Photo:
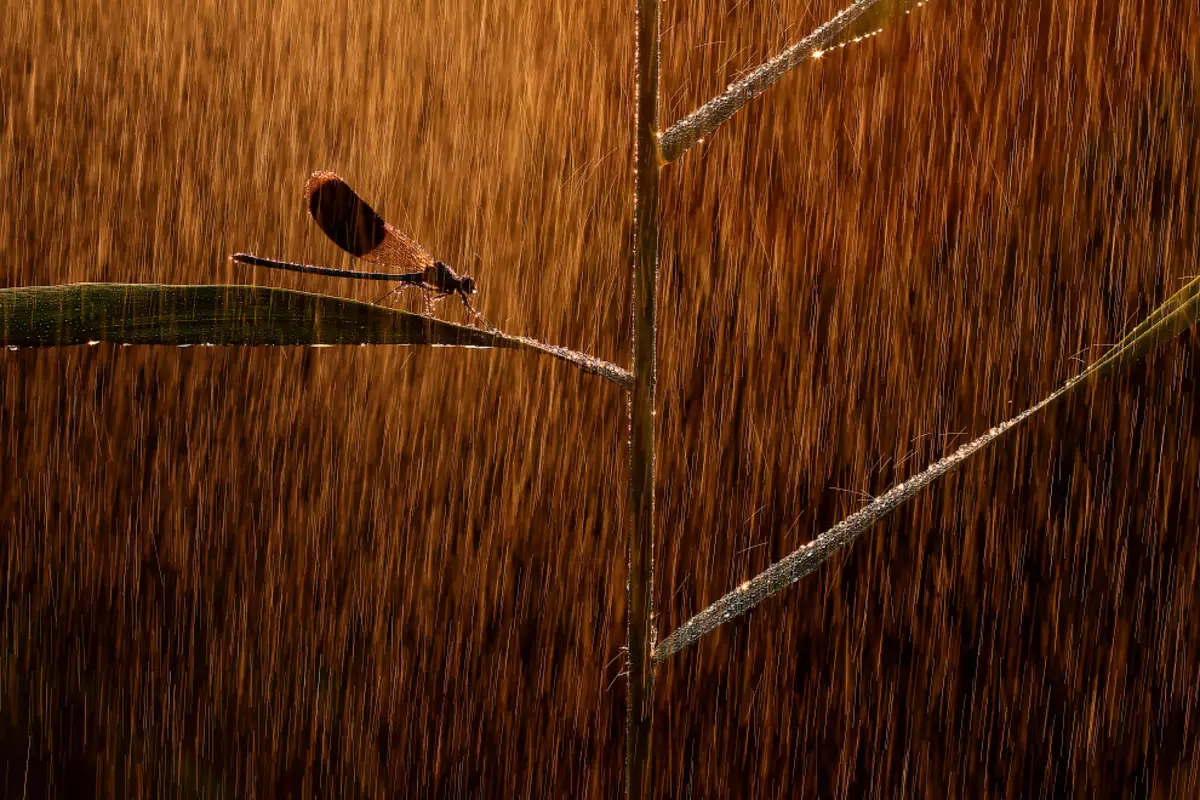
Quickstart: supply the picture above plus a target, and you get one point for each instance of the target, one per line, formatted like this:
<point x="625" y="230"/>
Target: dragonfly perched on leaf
<point x="356" y="228"/>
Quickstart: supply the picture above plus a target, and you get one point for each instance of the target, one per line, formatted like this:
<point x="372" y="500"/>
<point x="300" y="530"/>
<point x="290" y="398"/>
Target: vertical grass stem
<point x="647" y="163"/>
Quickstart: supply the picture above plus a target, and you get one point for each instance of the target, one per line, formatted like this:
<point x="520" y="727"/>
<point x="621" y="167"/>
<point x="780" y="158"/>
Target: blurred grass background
<point x="356" y="572"/>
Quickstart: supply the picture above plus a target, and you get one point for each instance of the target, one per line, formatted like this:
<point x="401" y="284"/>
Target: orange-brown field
<point x="354" y="572"/>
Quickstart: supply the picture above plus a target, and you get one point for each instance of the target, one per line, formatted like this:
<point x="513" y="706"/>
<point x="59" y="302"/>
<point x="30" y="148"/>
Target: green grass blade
<point x="1179" y="312"/>
<point x="153" y="314"/>
<point x="53" y="316"/>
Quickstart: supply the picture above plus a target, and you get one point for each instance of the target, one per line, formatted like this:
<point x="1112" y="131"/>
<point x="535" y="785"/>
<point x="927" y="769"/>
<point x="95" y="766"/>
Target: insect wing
<point x="356" y="227"/>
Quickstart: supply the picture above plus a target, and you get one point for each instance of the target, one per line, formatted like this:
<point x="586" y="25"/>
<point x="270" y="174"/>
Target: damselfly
<point x="356" y="228"/>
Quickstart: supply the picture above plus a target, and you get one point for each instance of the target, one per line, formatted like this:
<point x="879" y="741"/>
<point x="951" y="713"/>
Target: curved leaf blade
<point x="140" y="313"/>
<point x="157" y="314"/>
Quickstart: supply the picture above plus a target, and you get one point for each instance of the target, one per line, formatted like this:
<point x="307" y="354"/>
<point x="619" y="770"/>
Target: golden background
<point x="344" y="572"/>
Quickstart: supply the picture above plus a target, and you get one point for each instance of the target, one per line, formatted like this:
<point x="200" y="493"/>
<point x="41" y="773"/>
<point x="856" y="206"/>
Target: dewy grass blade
<point x="1174" y="316"/>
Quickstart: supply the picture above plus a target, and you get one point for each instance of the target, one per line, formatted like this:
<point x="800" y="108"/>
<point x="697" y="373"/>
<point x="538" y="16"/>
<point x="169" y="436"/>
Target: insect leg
<point x="432" y="298"/>
<point x="394" y="291"/>
<point x="475" y="314"/>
